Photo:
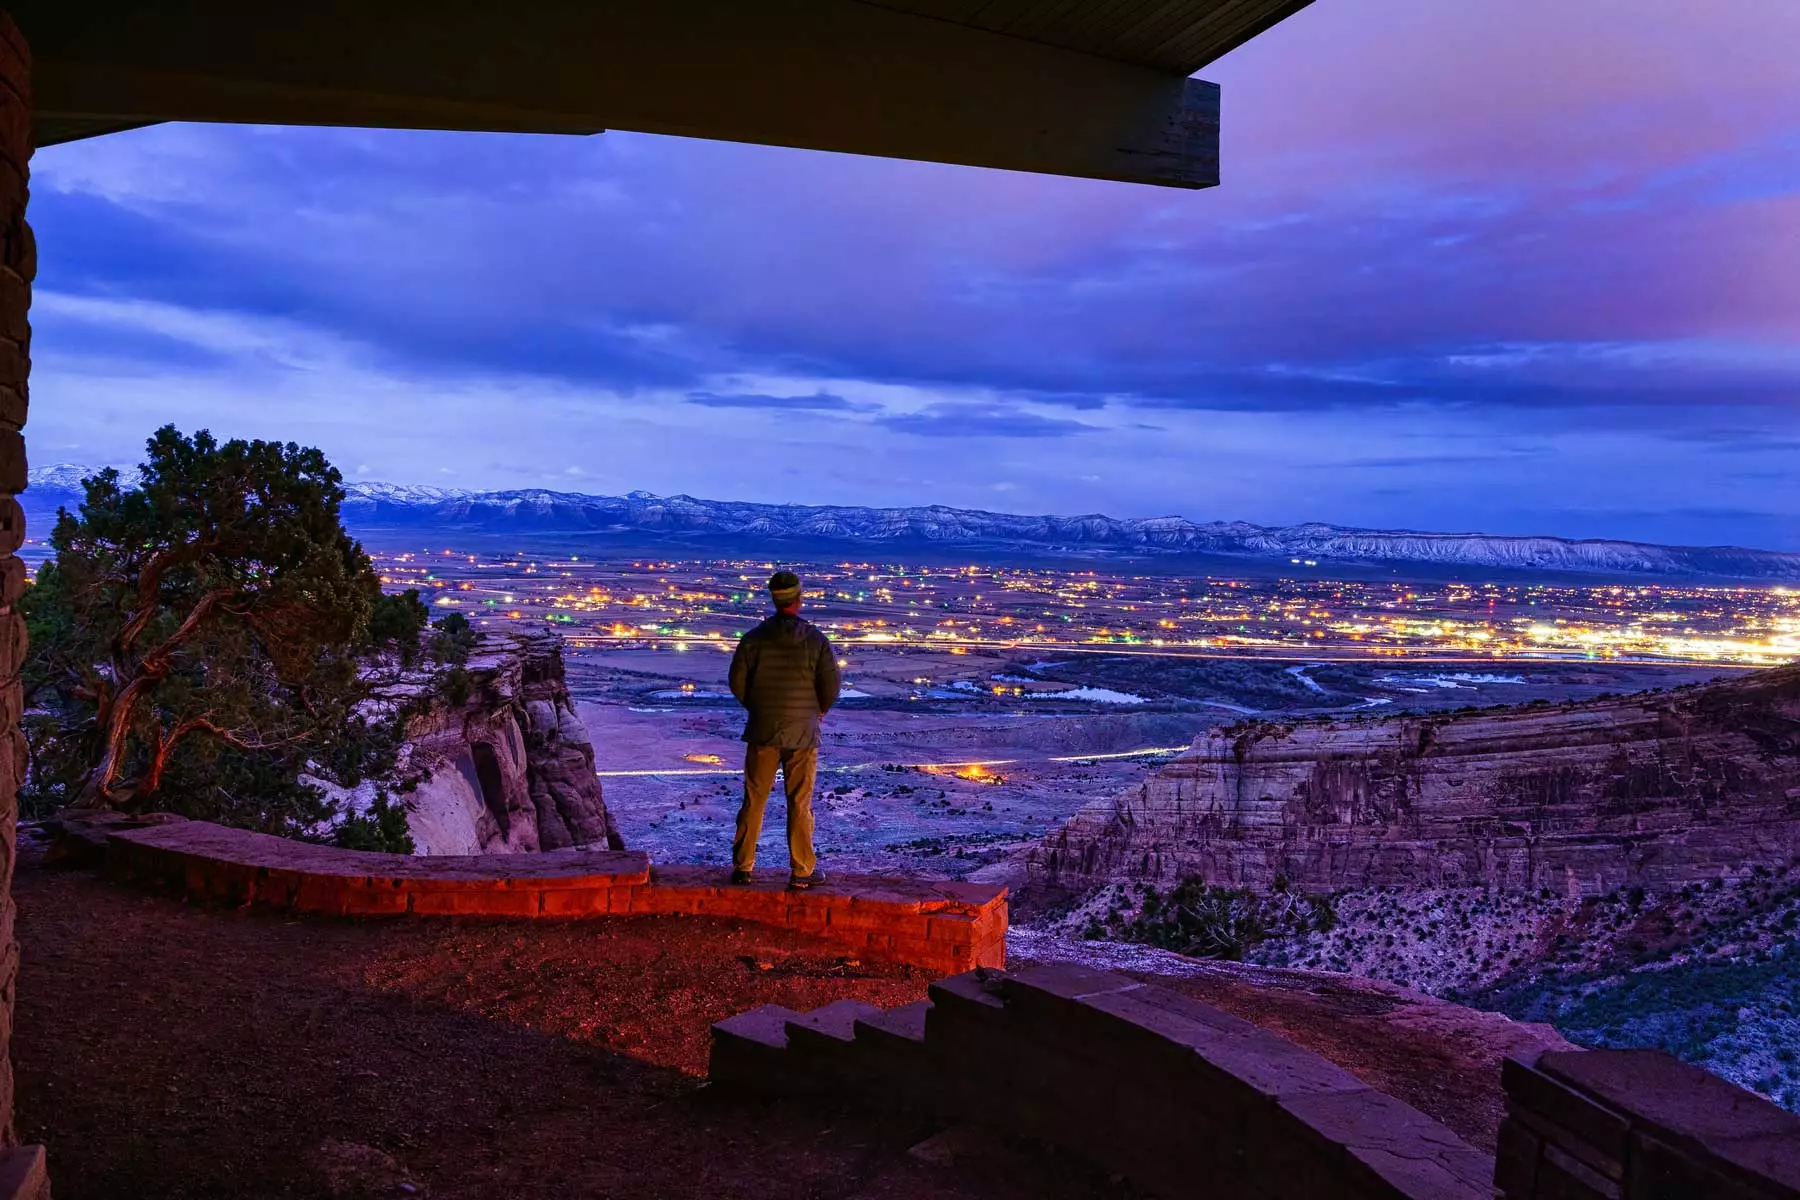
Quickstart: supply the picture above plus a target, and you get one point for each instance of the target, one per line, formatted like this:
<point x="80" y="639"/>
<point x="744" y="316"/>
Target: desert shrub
<point x="382" y="827"/>
<point x="1208" y="921"/>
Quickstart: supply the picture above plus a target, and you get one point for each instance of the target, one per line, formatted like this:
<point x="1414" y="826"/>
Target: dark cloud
<point x="1603" y="257"/>
<point x="816" y="402"/>
<point x="955" y="421"/>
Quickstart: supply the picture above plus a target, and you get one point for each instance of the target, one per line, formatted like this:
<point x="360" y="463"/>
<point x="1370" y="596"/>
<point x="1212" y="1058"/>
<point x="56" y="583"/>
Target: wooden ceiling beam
<point x="819" y="74"/>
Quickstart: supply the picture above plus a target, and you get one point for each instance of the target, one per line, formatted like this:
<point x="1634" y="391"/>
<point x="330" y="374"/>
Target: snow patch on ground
<point x="1043" y="946"/>
<point x="1451" y="681"/>
<point x="1300" y="673"/>
<point x="1096" y="695"/>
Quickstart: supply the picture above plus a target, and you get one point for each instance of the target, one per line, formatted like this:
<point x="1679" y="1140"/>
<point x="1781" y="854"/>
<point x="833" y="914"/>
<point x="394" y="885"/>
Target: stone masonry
<point x="1639" y="1125"/>
<point x="21" y="1169"/>
<point x="940" y="925"/>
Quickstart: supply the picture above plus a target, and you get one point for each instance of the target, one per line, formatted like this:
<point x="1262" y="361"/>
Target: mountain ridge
<point x="541" y="510"/>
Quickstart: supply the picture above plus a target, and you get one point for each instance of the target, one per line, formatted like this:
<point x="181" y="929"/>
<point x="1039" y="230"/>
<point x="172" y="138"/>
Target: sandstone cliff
<point x="511" y="769"/>
<point x="1656" y="789"/>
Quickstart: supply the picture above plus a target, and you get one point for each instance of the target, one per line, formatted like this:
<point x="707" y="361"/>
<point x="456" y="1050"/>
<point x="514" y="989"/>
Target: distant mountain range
<point x="641" y="515"/>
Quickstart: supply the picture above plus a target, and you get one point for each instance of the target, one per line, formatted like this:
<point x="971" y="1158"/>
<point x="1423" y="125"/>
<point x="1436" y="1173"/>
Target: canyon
<point x="1654" y="789"/>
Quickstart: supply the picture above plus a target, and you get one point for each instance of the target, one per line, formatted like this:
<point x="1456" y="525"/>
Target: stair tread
<point x="906" y="1022"/>
<point x="767" y="1026"/>
<point x="970" y="990"/>
<point x="835" y="1020"/>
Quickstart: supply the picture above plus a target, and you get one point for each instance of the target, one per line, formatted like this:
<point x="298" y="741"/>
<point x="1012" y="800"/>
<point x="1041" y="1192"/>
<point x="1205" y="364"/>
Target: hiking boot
<point x="799" y="883"/>
<point x="740" y="878"/>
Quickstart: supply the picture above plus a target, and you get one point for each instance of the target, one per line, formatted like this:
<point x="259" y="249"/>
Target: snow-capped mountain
<point x="387" y="506"/>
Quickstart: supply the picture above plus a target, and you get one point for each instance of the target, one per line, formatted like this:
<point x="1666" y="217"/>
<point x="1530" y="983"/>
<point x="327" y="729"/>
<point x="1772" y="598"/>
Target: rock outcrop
<point x="511" y="769"/>
<point x="1653" y="789"/>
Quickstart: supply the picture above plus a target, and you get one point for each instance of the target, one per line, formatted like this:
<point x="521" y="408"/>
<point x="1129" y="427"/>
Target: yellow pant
<point x="797" y="770"/>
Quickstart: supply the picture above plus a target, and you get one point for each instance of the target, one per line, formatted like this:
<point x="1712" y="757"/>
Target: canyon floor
<point x="164" y="1050"/>
<point x="948" y="763"/>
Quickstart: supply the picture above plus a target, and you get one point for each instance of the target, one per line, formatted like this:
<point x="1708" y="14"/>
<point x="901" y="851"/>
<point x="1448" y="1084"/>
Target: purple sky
<point x="1511" y="265"/>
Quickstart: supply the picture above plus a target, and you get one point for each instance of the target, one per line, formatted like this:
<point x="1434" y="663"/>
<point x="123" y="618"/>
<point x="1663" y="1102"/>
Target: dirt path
<point x="168" y="1051"/>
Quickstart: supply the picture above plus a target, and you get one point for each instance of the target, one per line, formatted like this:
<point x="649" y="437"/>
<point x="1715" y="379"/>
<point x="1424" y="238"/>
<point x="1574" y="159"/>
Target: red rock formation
<point x="512" y="768"/>
<point x="1657" y="789"/>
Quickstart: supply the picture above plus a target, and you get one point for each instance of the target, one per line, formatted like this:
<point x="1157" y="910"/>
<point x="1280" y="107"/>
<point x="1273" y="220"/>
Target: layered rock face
<point x="1656" y="789"/>
<point x="510" y="770"/>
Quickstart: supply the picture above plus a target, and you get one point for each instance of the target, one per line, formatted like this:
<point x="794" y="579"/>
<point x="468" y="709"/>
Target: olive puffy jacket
<point x="786" y="674"/>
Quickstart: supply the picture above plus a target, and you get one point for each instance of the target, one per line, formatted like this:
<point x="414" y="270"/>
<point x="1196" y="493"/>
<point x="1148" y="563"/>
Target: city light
<point x="671" y="606"/>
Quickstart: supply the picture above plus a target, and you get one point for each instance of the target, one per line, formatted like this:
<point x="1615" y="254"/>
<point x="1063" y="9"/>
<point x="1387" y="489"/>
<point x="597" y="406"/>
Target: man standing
<point x="786" y="674"/>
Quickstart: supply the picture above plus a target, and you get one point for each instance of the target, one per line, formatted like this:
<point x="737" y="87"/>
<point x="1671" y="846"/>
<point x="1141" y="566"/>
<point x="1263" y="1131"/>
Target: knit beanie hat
<point x="784" y="588"/>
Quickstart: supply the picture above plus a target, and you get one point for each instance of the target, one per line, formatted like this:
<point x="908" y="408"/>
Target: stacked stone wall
<point x="1639" y="1125"/>
<point x="1177" y="1097"/>
<point x="22" y="1171"/>
<point x="939" y="925"/>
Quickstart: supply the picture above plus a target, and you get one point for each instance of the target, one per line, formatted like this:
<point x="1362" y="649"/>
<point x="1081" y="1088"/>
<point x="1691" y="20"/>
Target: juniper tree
<point x="195" y="638"/>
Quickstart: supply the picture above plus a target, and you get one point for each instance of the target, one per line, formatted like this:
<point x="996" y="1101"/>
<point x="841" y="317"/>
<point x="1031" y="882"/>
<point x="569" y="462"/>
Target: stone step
<point x="750" y="1050"/>
<point x="833" y="1026"/>
<point x="824" y="1054"/>
<point x="1140" y="1081"/>
<point x="902" y="1028"/>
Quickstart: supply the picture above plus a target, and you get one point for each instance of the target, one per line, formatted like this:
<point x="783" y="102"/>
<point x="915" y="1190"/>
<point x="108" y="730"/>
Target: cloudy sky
<point x="1509" y="265"/>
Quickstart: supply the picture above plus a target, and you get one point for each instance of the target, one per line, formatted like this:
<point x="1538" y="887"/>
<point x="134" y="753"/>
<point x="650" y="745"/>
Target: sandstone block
<point x="13" y="466"/>
<point x="1515" y="1162"/>
<point x="477" y="903"/>
<point x="577" y="902"/>
<point x="24" y="1172"/>
<point x="905" y="1025"/>
<point x="12" y="525"/>
<point x="15" y="122"/>
<point x="1681" y="1102"/>
<point x="835" y="1022"/>
<point x="1561" y="1115"/>
<point x="749" y="1050"/>
<point x="15" y="65"/>
<point x="375" y="901"/>
<point x="1381" y="1143"/>
<point x="12" y="579"/>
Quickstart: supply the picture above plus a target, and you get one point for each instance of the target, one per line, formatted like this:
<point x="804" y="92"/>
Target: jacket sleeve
<point x="740" y="670"/>
<point x="826" y="678"/>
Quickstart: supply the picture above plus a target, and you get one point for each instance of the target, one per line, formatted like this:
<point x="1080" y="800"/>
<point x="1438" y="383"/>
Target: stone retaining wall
<point x="1639" y="1125"/>
<point x="1174" y="1095"/>
<point x="18" y="267"/>
<point x="938" y="925"/>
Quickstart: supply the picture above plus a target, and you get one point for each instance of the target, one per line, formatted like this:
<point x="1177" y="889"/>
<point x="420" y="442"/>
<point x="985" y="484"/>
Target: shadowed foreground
<point x="164" y="1050"/>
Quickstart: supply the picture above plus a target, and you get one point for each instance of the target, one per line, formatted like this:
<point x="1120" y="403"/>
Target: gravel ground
<point x="169" y="1051"/>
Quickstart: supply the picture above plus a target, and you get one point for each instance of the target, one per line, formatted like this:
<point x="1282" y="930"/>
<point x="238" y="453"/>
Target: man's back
<point x="786" y="674"/>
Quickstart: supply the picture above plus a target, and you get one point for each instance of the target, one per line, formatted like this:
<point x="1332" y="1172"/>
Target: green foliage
<point x="452" y="638"/>
<point x="196" y="640"/>
<point x="454" y="686"/>
<point x="382" y="827"/>
<point x="396" y="622"/>
<point x="1205" y="920"/>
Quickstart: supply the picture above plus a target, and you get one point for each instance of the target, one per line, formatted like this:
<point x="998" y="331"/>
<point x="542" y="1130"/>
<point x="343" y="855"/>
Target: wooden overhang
<point x="1094" y="88"/>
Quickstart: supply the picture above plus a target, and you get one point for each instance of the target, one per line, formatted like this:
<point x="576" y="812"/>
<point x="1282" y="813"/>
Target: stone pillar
<point x="21" y="1169"/>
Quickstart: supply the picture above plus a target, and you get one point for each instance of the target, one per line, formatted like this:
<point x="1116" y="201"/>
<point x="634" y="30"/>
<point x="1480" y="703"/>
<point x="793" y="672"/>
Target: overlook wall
<point x="1657" y="789"/>
<point x="22" y="1171"/>
<point x="511" y="770"/>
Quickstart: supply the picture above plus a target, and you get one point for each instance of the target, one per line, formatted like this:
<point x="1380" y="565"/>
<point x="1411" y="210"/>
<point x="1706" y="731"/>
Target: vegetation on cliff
<point x="1707" y="972"/>
<point x="1204" y="920"/>
<point x="200" y="644"/>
